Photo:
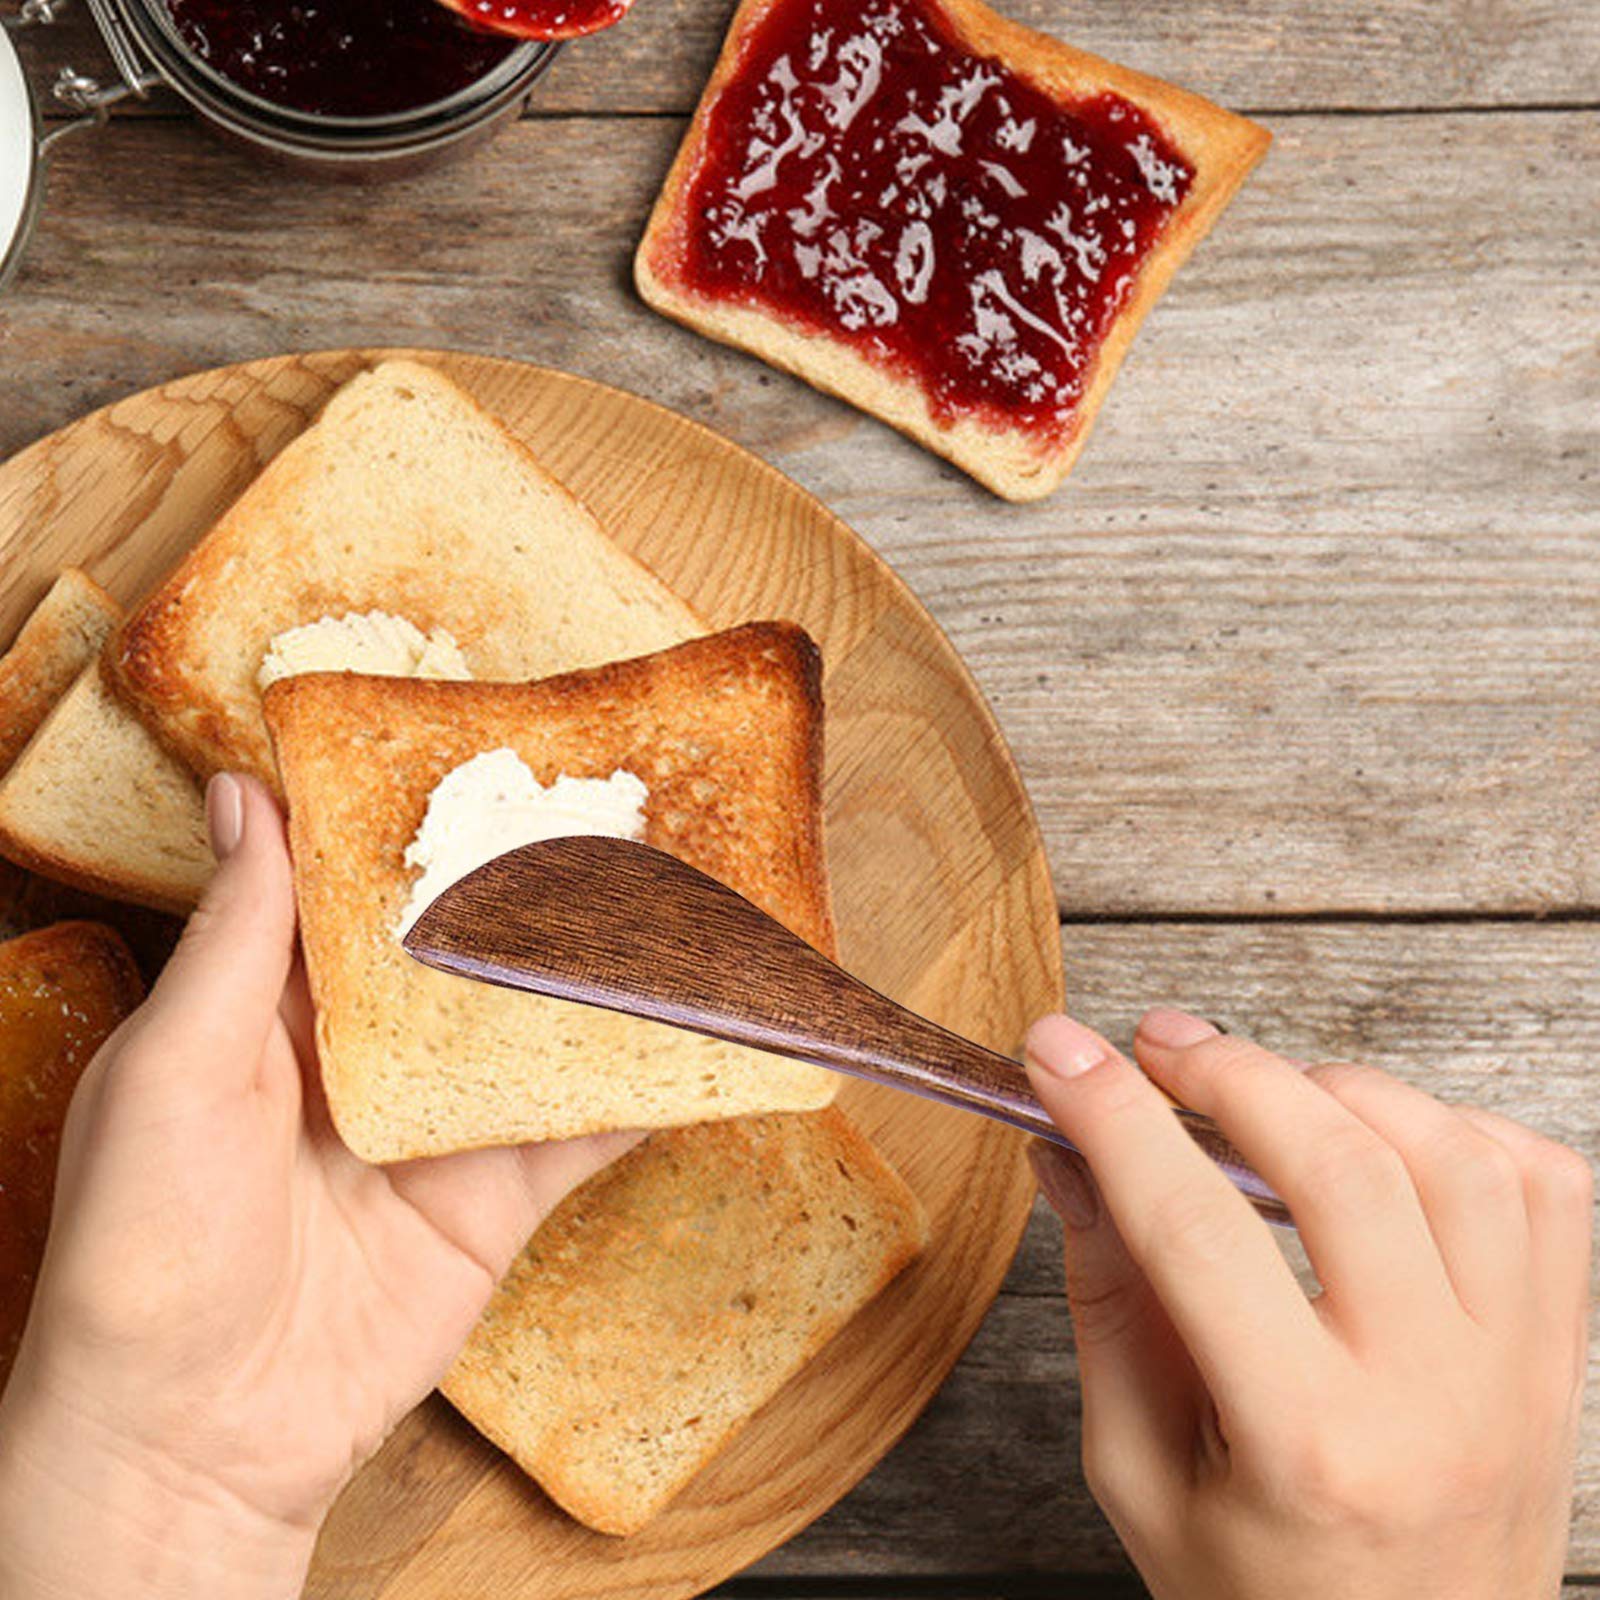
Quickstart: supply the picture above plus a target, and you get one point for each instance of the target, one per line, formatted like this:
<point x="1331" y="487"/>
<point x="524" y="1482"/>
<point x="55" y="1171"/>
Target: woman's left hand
<point x="234" y="1311"/>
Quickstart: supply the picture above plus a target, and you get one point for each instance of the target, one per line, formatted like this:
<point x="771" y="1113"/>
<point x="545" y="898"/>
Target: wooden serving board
<point x="941" y="887"/>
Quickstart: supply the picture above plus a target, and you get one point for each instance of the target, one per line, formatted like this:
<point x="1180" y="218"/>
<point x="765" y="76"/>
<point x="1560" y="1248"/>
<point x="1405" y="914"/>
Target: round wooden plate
<point x="941" y="887"/>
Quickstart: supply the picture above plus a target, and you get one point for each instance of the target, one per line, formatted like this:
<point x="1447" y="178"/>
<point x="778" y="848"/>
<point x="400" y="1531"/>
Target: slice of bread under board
<point x="725" y="733"/>
<point x="62" y="991"/>
<point x="91" y="798"/>
<point x="668" y="1299"/>
<point x="404" y="498"/>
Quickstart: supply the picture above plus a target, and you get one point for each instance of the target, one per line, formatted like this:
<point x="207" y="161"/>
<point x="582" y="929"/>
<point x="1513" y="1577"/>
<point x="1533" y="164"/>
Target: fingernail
<point x="1065" y="1048"/>
<point x="225" y="814"/>
<point x="1066" y="1183"/>
<point x="1175" y="1030"/>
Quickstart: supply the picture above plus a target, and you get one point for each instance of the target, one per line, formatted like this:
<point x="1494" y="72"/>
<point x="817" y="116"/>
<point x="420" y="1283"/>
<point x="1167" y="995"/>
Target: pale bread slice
<point x="62" y="991"/>
<point x="60" y="638"/>
<point x="404" y="497"/>
<point x="90" y="798"/>
<point x="726" y="734"/>
<point x="671" y="1297"/>
<point x="1012" y="461"/>
<point x="96" y="802"/>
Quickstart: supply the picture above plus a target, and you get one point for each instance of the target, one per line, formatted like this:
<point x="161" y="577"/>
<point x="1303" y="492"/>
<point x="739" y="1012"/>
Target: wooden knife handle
<point x="896" y="1045"/>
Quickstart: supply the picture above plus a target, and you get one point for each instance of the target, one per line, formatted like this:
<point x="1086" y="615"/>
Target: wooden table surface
<point x="1302" y="667"/>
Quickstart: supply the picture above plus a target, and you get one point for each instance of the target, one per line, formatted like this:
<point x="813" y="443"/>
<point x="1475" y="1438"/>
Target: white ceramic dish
<point x="19" y="157"/>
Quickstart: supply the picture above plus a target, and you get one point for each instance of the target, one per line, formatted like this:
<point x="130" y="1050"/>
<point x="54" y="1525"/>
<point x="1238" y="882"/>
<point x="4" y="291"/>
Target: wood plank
<point x="1507" y="1015"/>
<point x="1311" y="626"/>
<point x="1310" y="629"/>
<point x="1269" y="55"/>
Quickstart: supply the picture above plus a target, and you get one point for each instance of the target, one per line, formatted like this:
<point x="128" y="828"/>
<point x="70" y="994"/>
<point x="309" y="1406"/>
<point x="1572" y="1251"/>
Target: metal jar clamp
<point x="24" y="144"/>
<point x="147" y="55"/>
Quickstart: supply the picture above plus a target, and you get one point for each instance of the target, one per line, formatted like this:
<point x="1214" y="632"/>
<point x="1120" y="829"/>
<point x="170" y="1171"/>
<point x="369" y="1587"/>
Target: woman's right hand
<point x="1406" y="1434"/>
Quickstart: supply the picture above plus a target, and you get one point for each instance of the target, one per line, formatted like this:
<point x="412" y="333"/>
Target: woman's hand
<point x="233" y="1310"/>
<point x="1409" y="1433"/>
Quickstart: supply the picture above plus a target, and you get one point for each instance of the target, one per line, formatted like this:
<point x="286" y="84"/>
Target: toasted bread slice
<point x="96" y="802"/>
<point x="62" y="990"/>
<point x="56" y="643"/>
<point x="664" y="1303"/>
<point x="405" y="498"/>
<point x="977" y="286"/>
<point x="725" y="733"/>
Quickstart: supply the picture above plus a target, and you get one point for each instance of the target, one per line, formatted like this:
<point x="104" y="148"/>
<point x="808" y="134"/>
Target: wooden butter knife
<point x="614" y="923"/>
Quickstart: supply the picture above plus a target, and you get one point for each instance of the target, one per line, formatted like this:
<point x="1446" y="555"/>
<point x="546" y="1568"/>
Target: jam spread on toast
<point x="543" y="19"/>
<point x="866" y="176"/>
<point x="339" y="58"/>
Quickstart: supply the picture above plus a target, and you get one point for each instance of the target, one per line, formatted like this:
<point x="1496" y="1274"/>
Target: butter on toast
<point x="407" y="498"/>
<point x="948" y="219"/>
<point x="671" y="1297"/>
<point x="62" y="991"/>
<point x="726" y="734"/>
<point x="62" y="636"/>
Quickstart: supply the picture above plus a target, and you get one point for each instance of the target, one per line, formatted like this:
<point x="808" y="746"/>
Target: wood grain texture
<point x="1310" y="629"/>
<point x="1503" y="1015"/>
<point x="942" y="897"/>
<point x="1373" y="341"/>
<point x="1272" y="55"/>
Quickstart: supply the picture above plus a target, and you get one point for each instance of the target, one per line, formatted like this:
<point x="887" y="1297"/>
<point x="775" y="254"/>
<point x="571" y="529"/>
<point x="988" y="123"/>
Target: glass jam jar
<point x="358" y="88"/>
<point x="335" y="88"/>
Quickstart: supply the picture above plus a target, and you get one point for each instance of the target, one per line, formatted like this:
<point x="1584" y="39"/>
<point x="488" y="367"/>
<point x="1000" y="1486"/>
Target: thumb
<point x="488" y="1203"/>
<point x="218" y="996"/>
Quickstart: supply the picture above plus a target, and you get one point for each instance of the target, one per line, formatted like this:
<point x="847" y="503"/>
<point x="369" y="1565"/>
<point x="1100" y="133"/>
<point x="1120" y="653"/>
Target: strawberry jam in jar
<point x="339" y="88"/>
<point x="339" y="58"/>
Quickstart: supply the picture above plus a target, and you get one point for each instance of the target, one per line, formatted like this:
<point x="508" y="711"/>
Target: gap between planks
<point x="49" y="113"/>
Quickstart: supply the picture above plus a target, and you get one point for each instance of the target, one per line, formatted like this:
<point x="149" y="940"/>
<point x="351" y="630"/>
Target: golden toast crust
<point x="367" y="510"/>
